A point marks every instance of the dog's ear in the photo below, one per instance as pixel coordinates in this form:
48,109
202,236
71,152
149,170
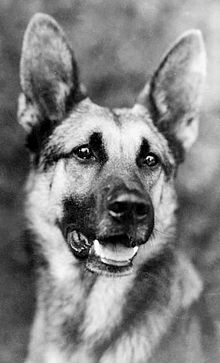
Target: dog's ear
48,73
174,93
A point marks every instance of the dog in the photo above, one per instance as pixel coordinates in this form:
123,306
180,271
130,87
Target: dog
112,283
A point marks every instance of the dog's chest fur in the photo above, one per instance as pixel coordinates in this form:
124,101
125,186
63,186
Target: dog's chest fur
91,319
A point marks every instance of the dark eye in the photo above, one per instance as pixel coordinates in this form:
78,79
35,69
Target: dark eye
151,160
84,152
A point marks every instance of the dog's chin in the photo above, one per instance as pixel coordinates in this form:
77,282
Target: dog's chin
111,258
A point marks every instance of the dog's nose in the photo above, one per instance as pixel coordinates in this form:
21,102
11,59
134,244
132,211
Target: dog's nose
126,206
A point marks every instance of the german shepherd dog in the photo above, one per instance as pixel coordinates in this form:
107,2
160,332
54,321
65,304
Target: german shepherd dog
112,283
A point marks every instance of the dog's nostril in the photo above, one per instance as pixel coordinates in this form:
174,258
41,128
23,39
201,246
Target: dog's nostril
141,210
118,208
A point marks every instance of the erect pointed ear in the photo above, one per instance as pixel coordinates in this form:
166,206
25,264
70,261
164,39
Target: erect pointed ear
48,73
174,93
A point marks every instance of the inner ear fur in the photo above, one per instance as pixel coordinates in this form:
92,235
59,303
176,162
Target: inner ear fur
174,92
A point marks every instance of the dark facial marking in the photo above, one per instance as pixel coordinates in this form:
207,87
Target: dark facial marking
144,150
97,146
77,213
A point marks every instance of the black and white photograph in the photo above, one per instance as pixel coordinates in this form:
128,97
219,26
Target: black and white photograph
109,181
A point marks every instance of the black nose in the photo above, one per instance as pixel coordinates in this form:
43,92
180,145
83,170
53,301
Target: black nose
129,205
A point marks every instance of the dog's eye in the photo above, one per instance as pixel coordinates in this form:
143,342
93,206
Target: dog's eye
84,152
151,160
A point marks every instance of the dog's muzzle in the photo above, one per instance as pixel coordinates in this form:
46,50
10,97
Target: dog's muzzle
127,222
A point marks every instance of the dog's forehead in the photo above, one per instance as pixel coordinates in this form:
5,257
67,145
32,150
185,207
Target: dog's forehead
117,127
136,123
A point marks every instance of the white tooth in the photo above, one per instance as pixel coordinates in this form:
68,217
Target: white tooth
75,236
83,238
117,253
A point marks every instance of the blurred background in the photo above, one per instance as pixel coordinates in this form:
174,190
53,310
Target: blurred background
117,44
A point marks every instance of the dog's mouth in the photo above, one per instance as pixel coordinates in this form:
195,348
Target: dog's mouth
108,256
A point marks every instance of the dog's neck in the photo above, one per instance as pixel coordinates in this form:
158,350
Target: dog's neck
99,316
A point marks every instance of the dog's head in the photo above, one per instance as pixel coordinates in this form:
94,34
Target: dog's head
101,185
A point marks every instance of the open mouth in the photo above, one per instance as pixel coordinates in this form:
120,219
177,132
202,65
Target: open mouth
109,257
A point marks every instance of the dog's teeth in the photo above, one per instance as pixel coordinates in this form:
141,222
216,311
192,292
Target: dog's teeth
76,236
83,239
73,238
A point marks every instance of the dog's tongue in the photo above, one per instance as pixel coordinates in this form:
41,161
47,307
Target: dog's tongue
118,254
111,259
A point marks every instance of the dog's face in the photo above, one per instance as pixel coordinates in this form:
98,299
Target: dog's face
111,168
102,180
